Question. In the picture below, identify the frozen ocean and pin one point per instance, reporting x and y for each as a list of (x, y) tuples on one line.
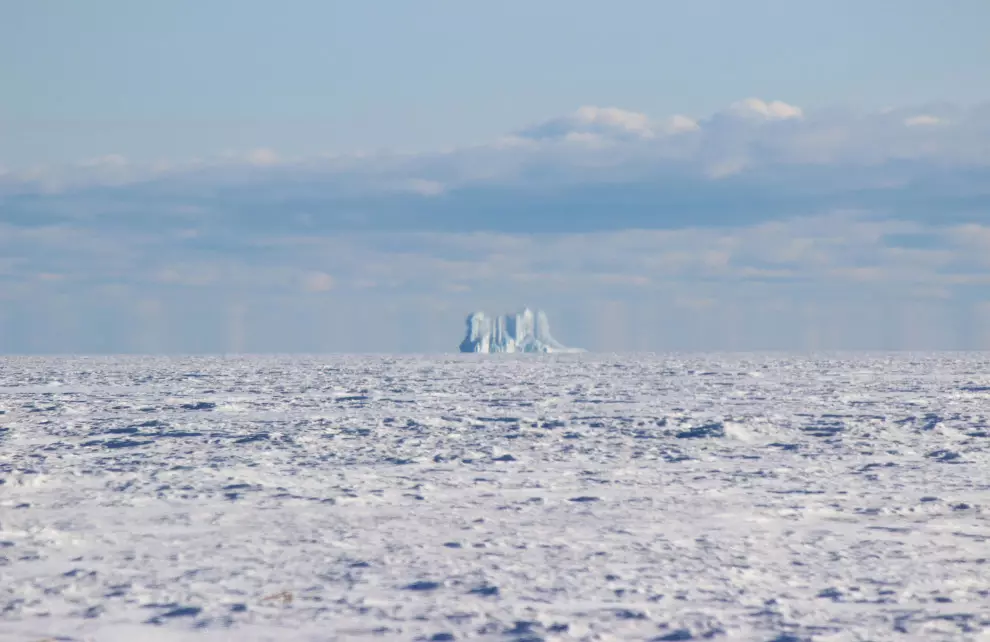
[(496, 497)]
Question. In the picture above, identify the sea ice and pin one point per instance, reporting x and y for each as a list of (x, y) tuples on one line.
[(584, 497)]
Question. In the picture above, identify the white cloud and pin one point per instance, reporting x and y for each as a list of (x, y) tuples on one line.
[(679, 123), (616, 119), (727, 143), (423, 187), (603, 122), (318, 282), (262, 157), (663, 229), (773, 110), (923, 120)]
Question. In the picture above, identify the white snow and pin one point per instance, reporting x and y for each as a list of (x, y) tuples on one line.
[(523, 332), (565, 497)]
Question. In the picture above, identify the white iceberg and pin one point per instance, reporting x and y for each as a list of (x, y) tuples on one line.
[(523, 332)]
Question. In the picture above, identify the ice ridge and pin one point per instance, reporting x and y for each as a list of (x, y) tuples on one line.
[(526, 331)]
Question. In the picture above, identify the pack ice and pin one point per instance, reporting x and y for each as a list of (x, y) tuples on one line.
[(705, 497), (526, 331)]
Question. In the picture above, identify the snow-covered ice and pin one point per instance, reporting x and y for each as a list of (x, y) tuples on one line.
[(523, 332), (495, 497)]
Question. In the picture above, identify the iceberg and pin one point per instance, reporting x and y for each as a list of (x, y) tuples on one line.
[(526, 331)]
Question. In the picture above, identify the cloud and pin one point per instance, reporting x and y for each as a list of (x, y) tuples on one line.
[(923, 120), (612, 118), (594, 170), (823, 217), (727, 167), (751, 137), (318, 282), (262, 157), (591, 121), (423, 187), (816, 251), (678, 123), (852, 261), (773, 110)]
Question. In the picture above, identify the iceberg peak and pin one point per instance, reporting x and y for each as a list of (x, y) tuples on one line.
[(526, 331)]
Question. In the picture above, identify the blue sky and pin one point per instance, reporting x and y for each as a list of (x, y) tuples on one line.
[(189, 77), (355, 176)]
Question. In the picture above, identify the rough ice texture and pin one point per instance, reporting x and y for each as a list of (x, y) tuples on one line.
[(579, 498), (523, 332)]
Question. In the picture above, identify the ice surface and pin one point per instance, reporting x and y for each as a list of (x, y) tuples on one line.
[(570, 497), (523, 332)]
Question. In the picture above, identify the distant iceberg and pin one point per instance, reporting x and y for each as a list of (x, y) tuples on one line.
[(523, 332)]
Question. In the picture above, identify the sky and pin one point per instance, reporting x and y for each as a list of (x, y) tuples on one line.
[(216, 176)]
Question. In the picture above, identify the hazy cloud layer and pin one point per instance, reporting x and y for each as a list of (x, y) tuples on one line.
[(764, 225), (361, 291)]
